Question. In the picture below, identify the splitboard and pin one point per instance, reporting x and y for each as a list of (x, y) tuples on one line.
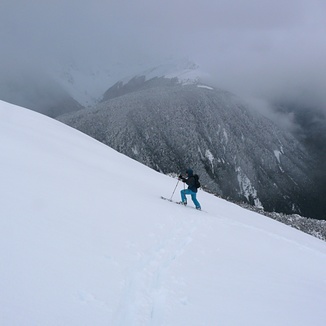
[(179, 203)]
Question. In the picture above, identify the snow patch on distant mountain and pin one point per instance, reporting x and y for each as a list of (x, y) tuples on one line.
[(206, 87), (277, 154), (247, 189)]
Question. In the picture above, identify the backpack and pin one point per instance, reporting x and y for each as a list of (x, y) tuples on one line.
[(197, 183)]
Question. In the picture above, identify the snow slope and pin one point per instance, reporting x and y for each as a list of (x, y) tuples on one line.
[(86, 240)]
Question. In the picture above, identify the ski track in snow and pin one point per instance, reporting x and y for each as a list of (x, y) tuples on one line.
[(144, 296)]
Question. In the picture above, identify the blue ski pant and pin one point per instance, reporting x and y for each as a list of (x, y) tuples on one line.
[(185, 192)]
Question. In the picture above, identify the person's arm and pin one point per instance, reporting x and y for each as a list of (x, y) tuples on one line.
[(182, 178)]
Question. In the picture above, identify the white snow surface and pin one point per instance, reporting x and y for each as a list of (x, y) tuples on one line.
[(86, 240)]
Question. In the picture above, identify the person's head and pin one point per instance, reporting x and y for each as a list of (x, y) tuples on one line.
[(189, 172)]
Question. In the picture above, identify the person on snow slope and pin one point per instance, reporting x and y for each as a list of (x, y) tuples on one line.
[(191, 181)]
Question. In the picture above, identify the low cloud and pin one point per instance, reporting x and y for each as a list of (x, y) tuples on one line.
[(255, 48)]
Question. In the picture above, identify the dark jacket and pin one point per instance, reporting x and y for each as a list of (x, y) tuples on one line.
[(190, 181)]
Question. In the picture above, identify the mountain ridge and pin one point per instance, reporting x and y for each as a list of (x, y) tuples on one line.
[(169, 126)]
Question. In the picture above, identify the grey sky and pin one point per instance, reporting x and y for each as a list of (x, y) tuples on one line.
[(248, 46)]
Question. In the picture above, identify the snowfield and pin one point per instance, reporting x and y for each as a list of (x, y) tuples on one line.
[(86, 240)]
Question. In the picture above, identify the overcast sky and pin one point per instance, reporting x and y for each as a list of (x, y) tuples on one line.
[(264, 47)]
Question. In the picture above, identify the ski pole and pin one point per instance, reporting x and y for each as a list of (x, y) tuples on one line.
[(175, 189)]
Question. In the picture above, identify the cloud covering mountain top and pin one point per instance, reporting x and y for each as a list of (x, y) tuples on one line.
[(256, 47)]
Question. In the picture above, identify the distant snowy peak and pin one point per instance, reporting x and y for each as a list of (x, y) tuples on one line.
[(87, 82), (186, 72), (182, 72)]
